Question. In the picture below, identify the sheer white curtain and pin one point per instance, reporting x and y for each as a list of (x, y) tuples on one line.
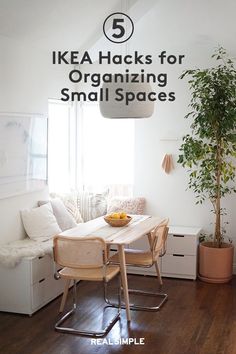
[(107, 151), (61, 146), (87, 151)]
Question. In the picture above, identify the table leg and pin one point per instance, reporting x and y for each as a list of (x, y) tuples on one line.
[(150, 240), (63, 300), (124, 280)]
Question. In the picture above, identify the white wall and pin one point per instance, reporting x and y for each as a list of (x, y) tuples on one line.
[(193, 28), (27, 80), (189, 27)]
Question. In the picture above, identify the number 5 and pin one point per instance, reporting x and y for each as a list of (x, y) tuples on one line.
[(115, 25)]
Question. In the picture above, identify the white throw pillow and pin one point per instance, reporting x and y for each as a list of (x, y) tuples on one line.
[(92, 205), (64, 219), (128, 205), (40, 222), (70, 201)]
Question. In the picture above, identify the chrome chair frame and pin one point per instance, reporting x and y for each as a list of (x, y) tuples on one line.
[(87, 332), (163, 296)]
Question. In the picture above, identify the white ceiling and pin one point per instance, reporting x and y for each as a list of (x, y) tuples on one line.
[(61, 23)]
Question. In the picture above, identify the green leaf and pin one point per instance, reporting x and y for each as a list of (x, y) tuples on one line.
[(209, 150)]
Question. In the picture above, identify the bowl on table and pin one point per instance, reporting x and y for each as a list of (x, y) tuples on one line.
[(118, 220)]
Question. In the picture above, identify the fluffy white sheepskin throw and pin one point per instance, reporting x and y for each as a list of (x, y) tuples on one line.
[(12, 253)]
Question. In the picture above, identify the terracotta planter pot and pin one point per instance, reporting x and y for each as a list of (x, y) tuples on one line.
[(215, 264)]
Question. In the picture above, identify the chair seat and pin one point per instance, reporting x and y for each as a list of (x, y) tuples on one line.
[(135, 257), (89, 274)]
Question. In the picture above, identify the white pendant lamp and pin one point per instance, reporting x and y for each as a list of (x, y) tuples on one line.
[(140, 107)]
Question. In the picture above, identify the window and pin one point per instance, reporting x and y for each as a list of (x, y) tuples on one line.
[(60, 146), (87, 151), (107, 149)]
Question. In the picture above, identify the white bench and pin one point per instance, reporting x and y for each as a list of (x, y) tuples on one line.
[(27, 282)]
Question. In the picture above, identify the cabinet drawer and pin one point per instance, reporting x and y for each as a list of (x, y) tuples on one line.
[(183, 265), (181, 244), (41, 268), (45, 290), (39, 293)]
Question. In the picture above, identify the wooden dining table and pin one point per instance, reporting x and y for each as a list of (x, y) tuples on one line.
[(139, 226)]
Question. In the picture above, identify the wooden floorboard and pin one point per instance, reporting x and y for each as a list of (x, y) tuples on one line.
[(198, 318)]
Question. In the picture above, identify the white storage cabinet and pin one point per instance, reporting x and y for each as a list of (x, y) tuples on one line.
[(180, 260), (29, 286)]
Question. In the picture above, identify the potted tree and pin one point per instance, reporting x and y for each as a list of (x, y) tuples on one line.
[(209, 152)]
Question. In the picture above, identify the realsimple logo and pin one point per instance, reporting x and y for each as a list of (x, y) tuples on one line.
[(120, 341)]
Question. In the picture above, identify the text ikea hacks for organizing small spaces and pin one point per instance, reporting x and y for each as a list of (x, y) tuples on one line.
[(129, 68)]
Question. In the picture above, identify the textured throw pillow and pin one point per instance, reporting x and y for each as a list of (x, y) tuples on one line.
[(92, 205), (40, 223), (128, 205), (72, 205), (64, 219)]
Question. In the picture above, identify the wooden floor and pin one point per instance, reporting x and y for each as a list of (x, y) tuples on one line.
[(198, 318)]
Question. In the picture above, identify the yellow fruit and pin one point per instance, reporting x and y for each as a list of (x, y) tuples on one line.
[(123, 215), (115, 216)]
